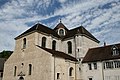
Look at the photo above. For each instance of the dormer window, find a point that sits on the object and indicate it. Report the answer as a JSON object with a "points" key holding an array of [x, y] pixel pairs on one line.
{"points": [[61, 32], [115, 51]]}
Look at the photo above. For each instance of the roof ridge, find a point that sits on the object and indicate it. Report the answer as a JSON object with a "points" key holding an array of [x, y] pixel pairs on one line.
{"points": [[58, 25], [75, 28]]}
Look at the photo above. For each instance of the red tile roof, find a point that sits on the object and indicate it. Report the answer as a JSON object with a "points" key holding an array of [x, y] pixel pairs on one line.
{"points": [[101, 54]]}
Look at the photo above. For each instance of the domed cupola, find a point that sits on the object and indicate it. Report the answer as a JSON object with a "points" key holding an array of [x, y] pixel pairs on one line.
{"points": [[61, 29]]}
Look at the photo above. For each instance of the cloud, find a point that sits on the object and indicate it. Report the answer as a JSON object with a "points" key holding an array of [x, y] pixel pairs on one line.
{"points": [[62, 1], [99, 17]]}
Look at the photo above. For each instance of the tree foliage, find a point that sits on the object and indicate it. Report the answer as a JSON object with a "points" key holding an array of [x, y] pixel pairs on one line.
{"points": [[5, 54]]}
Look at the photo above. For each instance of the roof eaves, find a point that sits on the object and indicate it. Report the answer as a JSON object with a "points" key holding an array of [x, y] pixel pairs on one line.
{"points": [[58, 53], [22, 35]]}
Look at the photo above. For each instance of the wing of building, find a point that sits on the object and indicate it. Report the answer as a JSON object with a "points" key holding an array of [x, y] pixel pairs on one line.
{"points": [[102, 63], [42, 53]]}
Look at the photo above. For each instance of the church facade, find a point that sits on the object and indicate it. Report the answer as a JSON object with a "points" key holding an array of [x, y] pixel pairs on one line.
{"points": [[42, 53]]}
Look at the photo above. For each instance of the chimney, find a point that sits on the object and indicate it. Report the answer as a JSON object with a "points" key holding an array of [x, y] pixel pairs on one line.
{"points": [[104, 43]]}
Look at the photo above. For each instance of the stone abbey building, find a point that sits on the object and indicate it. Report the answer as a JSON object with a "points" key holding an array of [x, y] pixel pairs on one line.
{"points": [[42, 53]]}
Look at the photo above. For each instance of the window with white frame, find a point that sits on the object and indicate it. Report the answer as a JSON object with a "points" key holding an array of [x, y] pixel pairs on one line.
{"points": [[90, 66], [95, 65], [61, 32], [115, 50], [111, 64]]}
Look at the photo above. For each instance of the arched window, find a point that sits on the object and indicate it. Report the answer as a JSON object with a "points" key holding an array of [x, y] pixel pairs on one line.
{"points": [[53, 45], [15, 70], [71, 71], [44, 42], [30, 69], [24, 43], [69, 47], [21, 78], [61, 32]]}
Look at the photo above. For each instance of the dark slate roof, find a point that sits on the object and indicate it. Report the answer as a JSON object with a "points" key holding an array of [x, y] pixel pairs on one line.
{"points": [[60, 25], [2, 61], [70, 33], [40, 28], [101, 54], [59, 54], [80, 30]]}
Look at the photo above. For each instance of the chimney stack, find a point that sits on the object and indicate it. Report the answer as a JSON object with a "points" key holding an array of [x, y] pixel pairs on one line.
{"points": [[104, 43]]}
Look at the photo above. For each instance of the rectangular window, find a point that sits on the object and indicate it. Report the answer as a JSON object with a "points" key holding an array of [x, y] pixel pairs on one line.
{"points": [[95, 65], [15, 69], [30, 69], [58, 75], [1, 74], [90, 66], [109, 65]]}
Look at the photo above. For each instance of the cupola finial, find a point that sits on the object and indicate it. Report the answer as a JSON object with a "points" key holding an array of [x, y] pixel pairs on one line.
{"points": [[104, 43], [60, 20]]}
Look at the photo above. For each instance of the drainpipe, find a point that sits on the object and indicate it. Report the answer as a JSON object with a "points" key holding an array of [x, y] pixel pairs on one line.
{"points": [[54, 67], [102, 70], [75, 56]]}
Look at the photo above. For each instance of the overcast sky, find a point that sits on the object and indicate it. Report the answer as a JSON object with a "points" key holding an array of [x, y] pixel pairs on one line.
{"points": [[100, 17]]}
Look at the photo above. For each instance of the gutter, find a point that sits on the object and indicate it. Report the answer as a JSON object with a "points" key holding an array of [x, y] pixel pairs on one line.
{"points": [[102, 70], [75, 57]]}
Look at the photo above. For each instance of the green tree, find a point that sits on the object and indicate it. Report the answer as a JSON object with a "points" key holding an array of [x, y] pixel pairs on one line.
{"points": [[5, 54]]}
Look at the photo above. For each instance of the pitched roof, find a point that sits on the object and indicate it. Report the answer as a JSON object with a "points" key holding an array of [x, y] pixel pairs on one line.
{"points": [[59, 54], [2, 61], [60, 25], [101, 54], [40, 28], [82, 31], [70, 33]]}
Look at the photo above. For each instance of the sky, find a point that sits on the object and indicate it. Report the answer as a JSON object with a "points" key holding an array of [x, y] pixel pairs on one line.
{"points": [[100, 17]]}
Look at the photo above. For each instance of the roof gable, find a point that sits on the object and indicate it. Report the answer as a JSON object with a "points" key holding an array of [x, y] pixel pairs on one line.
{"points": [[60, 25], [39, 28]]}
